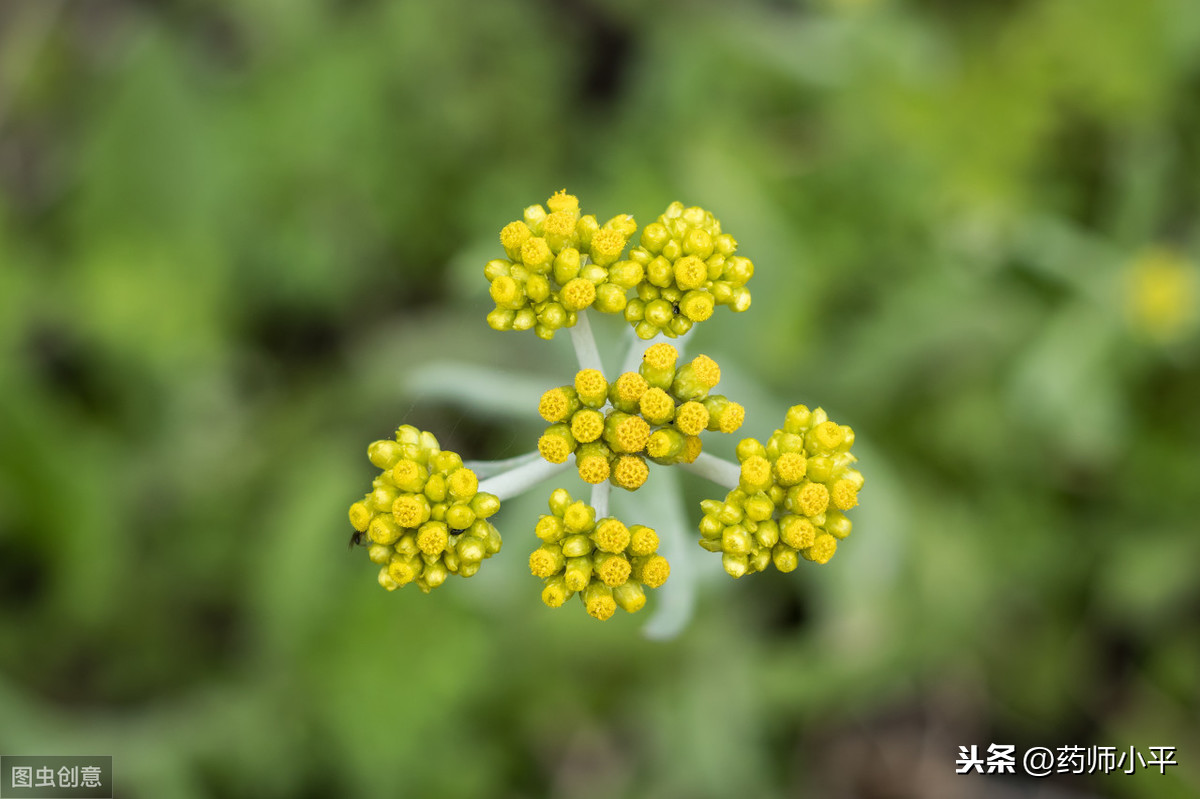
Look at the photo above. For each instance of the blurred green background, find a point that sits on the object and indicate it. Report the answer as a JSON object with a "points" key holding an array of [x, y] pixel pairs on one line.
{"points": [[235, 235]]}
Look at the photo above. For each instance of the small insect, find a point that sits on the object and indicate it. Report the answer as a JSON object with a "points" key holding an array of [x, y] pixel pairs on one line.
{"points": [[675, 305], [356, 539]]}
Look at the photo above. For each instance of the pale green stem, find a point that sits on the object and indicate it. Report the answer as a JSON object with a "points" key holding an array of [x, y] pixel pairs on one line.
{"points": [[719, 470], [600, 494], [485, 469], [586, 351], [676, 599], [519, 480]]}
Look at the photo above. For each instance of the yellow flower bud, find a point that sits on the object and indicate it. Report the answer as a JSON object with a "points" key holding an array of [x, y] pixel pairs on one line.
{"points": [[591, 460], [587, 425], [690, 273], [512, 236], [549, 528], [591, 387], [797, 532], [386, 580], [625, 432], [557, 443], [557, 404], [755, 474], [380, 554], [629, 472], [844, 495], [692, 447], [825, 437], [612, 569], [656, 406], [694, 380], [536, 254], [808, 499], [789, 468], [360, 516], [463, 484], [506, 293], [652, 571], [658, 365], [611, 535], [404, 570], [697, 306], [433, 537], [691, 418], [564, 203], [606, 246], [411, 510], [626, 392], [546, 561], [598, 599], [577, 294], [559, 230], [821, 550]]}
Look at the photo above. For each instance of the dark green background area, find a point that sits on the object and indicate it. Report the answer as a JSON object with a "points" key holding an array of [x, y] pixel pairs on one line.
{"points": [[232, 235]]}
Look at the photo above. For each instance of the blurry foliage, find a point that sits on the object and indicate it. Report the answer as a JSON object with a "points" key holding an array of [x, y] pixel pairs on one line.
{"points": [[227, 231]]}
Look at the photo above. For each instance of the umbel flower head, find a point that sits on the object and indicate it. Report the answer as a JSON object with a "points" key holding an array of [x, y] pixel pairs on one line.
{"points": [[791, 499], [606, 563], [689, 267], [560, 263], [425, 518], [656, 413]]}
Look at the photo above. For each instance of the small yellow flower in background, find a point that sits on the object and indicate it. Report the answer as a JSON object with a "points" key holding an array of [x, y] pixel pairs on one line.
{"points": [[1162, 295]]}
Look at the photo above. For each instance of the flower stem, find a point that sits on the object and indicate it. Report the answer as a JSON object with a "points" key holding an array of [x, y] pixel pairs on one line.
{"points": [[509, 484], [486, 469], [719, 470], [600, 494], [586, 351]]}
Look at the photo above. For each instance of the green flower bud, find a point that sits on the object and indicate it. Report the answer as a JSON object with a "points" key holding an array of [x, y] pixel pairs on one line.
{"points": [[560, 500], [380, 554], [735, 540], [658, 365], [470, 549], [629, 597], [665, 446], [501, 319], [435, 488], [497, 268], [459, 516], [626, 274], [555, 592], [710, 526], [735, 565], [610, 298], [524, 319], [576, 546], [484, 505], [767, 534], [659, 313], [384, 530], [694, 380], [578, 573], [383, 453]]}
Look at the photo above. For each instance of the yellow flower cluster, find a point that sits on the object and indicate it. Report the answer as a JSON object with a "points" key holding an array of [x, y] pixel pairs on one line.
{"points": [[656, 413], [558, 264], [791, 498], [425, 517], [689, 268], [602, 560]]}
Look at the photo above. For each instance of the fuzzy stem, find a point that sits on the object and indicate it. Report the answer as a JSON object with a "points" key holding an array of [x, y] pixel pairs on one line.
{"points": [[676, 600], [486, 469], [586, 351], [600, 494], [507, 485], [719, 470]]}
